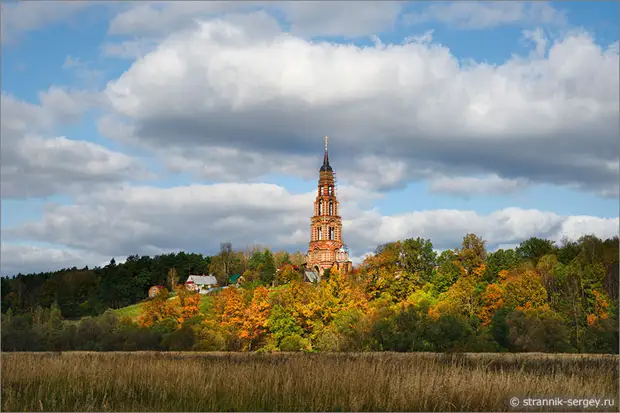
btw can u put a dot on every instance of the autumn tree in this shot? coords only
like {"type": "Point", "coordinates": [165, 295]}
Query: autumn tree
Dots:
{"type": "Point", "coordinates": [524, 289]}
{"type": "Point", "coordinates": [287, 273]}
{"type": "Point", "coordinates": [472, 253]}
{"type": "Point", "coordinates": [229, 308]}
{"type": "Point", "coordinates": [188, 302]}
{"type": "Point", "coordinates": [158, 309]}
{"type": "Point", "coordinates": [491, 302]}
{"type": "Point", "coordinates": [255, 323]}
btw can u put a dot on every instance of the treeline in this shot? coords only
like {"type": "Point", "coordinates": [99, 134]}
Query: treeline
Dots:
{"type": "Point", "coordinates": [537, 297]}
{"type": "Point", "coordinates": [90, 291]}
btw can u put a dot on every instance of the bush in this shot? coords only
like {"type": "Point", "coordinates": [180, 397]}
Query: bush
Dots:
{"type": "Point", "coordinates": [295, 342]}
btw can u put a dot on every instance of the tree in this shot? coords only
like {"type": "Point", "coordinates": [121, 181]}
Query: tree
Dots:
{"type": "Point", "coordinates": [158, 310]}
{"type": "Point", "coordinates": [447, 272]}
{"type": "Point", "coordinates": [282, 324]}
{"type": "Point", "coordinates": [524, 290]}
{"type": "Point", "coordinates": [418, 258]}
{"type": "Point", "coordinates": [188, 302]}
{"type": "Point", "coordinates": [472, 253]}
{"type": "Point", "coordinates": [173, 278]}
{"type": "Point", "coordinates": [224, 263]}
{"type": "Point", "coordinates": [491, 301]}
{"type": "Point", "coordinates": [255, 323]}
{"type": "Point", "coordinates": [268, 271]}
{"type": "Point", "coordinates": [287, 274]}
{"type": "Point", "coordinates": [538, 329]}
{"type": "Point", "coordinates": [533, 249]}
{"type": "Point", "coordinates": [257, 260]}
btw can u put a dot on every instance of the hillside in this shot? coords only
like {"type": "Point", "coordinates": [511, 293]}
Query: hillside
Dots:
{"type": "Point", "coordinates": [134, 310]}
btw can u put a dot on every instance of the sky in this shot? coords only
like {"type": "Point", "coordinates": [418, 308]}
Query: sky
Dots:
{"type": "Point", "coordinates": [147, 128]}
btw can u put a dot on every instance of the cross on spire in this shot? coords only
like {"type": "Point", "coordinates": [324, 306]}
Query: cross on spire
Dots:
{"type": "Point", "coordinates": [326, 142]}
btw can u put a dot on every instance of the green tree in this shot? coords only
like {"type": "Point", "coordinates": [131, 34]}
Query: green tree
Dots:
{"type": "Point", "coordinates": [533, 249]}
{"type": "Point", "coordinates": [418, 258]}
{"type": "Point", "coordinates": [268, 271]}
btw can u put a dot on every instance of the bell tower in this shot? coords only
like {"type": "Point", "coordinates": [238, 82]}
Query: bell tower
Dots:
{"type": "Point", "coordinates": [326, 247]}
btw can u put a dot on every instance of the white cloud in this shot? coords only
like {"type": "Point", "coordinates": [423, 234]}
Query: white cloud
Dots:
{"type": "Point", "coordinates": [33, 164]}
{"type": "Point", "coordinates": [484, 15]}
{"type": "Point", "coordinates": [147, 220]}
{"type": "Point", "coordinates": [396, 112]}
{"type": "Point", "coordinates": [306, 18]}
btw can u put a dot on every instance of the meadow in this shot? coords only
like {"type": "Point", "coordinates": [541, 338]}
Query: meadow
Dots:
{"type": "Point", "coordinates": [193, 381]}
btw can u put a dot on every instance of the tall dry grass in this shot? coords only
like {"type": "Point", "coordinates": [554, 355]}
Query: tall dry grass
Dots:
{"type": "Point", "coordinates": [151, 381]}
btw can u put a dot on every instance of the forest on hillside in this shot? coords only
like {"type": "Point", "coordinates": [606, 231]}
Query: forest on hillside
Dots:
{"type": "Point", "coordinates": [405, 297]}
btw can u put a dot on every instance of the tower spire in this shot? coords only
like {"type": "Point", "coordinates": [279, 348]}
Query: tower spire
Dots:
{"type": "Point", "coordinates": [326, 166]}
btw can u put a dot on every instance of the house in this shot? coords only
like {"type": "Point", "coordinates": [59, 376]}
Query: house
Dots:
{"type": "Point", "coordinates": [201, 283]}
{"type": "Point", "coordinates": [154, 290]}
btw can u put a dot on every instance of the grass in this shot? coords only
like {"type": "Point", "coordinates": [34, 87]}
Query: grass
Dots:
{"type": "Point", "coordinates": [150, 381]}
{"type": "Point", "coordinates": [134, 311]}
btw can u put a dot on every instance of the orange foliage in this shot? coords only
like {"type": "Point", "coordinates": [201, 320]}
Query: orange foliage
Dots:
{"type": "Point", "coordinates": [502, 275]}
{"type": "Point", "coordinates": [433, 313]}
{"type": "Point", "coordinates": [157, 310]}
{"type": "Point", "coordinates": [492, 301]}
{"type": "Point", "coordinates": [479, 270]}
{"type": "Point", "coordinates": [600, 305]}
{"type": "Point", "coordinates": [255, 322]}
{"type": "Point", "coordinates": [229, 308]}
{"type": "Point", "coordinates": [592, 319]}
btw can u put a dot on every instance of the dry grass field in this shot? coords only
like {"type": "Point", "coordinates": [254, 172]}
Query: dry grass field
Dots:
{"type": "Point", "coordinates": [149, 381]}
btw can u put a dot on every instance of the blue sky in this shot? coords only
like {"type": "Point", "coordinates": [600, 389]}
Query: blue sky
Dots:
{"type": "Point", "coordinates": [68, 49]}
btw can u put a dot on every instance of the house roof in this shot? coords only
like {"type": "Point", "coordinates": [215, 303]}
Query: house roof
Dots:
{"type": "Point", "coordinates": [234, 278]}
{"type": "Point", "coordinates": [311, 276]}
{"type": "Point", "coordinates": [202, 279]}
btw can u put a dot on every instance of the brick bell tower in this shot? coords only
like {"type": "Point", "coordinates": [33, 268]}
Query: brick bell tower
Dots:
{"type": "Point", "coordinates": [326, 249]}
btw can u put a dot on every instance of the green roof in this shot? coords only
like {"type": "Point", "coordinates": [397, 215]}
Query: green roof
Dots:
{"type": "Point", "coordinates": [234, 278]}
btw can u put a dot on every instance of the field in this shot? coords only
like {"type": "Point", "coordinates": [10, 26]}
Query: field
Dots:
{"type": "Point", "coordinates": [150, 381]}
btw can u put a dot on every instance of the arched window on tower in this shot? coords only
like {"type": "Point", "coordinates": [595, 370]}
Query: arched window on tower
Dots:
{"type": "Point", "coordinates": [331, 233]}
{"type": "Point", "coordinates": [319, 232]}
{"type": "Point", "coordinates": [320, 205]}
{"type": "Point", "coordinates": [329, 190]}
{"type": "Point", "coordinates": [331, 207]}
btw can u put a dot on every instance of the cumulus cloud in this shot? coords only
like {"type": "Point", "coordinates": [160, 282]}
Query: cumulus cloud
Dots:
{"type": "Point", "coordinates": [396, 113]}
{"type": "Point", "coordinates": [147, 220]}
{"type": "Point", "coordinates": [34, 164]}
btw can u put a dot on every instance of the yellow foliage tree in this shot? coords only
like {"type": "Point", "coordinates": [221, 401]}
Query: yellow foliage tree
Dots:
{"type": "Point", "coordinates": [158, 309]}
{"type": "Point", "coordinates": [188, 302]}
{"type": "Point", "coordinates": [229, 308]}
{"type": "Point", "coordinates": [254, 324]}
